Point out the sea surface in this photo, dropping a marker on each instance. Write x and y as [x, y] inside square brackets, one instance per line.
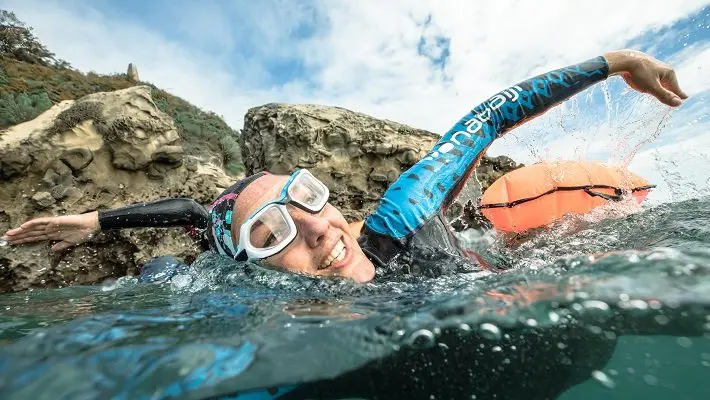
[612, 305]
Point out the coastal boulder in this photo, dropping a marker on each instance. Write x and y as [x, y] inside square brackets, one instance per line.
[355, 155]
[104, 150]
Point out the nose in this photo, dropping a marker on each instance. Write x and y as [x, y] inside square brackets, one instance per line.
[312, 227]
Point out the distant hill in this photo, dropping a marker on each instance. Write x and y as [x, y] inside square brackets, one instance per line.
[32, 80]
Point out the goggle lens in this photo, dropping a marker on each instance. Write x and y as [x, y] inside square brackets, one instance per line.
[270, 228]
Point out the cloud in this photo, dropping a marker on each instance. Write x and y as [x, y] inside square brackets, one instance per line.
[423, 63]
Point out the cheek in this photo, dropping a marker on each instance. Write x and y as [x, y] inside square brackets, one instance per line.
[334, 216]
[295, 258]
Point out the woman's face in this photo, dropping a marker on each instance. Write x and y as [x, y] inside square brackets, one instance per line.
[324, 245]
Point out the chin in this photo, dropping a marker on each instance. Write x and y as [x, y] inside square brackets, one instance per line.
[362, 272]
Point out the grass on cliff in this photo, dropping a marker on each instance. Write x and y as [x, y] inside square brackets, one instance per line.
[27, 90]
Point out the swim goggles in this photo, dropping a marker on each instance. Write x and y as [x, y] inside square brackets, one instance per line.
[271, 228]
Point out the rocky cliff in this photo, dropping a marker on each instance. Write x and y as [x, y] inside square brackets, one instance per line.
[356, 155]
[104, 150]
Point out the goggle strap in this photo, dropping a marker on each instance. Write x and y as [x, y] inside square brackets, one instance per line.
[242, 256]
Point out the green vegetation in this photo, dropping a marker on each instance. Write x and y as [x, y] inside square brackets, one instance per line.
[32, 80]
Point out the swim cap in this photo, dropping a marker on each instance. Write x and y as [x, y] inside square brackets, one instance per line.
[220, 211]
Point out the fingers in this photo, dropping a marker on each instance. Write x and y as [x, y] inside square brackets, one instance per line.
[34, 232]
[38, 224]
[664, 95]
[63, 245]
[670, 82]
[31, 238]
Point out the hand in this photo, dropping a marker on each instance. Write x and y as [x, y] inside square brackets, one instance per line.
[646, 75]
[70, 230]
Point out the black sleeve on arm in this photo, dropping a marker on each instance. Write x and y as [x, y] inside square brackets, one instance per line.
[158, 214]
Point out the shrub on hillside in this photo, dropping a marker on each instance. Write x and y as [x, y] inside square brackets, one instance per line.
[15, 109]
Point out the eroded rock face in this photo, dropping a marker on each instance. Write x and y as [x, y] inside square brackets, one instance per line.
[105, 150]
[356, 155]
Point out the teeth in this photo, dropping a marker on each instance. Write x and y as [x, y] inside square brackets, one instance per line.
[337, 254]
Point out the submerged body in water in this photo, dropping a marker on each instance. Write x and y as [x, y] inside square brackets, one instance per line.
[226, 329]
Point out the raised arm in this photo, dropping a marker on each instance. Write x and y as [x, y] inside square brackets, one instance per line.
[71, 230]
[428, 186]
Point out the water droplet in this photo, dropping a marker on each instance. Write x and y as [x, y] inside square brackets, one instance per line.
[121, 186]
[631, 370]
[422, 339]
[490, 331]
[651, 380]
[661, 319]
[7, 307]
[595, 305]
[554, 317]
[561, 346]
[624, 297]
[705, 363]
[4, 242]
[633, 305]
[465, 327]
[613, 372]
[496, 349]
[531, 322]
[604, 379]
[684, 342]
[655, 304]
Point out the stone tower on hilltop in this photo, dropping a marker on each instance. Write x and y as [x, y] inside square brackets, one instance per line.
[132, 72]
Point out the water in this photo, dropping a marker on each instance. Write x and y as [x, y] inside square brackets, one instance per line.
[593, 308]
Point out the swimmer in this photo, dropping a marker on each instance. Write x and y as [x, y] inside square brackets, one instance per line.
[287, 223]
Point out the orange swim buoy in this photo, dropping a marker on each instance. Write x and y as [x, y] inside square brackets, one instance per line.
[539, 194]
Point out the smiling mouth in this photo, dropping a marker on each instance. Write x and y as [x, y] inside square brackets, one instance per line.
[336, 255]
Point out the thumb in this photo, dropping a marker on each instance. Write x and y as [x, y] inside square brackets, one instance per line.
[63, 245]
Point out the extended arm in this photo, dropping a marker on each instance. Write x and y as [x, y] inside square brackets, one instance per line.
[71, 230]
[428, 186]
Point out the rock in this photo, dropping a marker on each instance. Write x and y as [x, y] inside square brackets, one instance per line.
[172, 155]
[89, 154]
[13, 164]
[43, 199]
[58, 174]
[77, 159]
[132, 72]
[60, 191]
[356, 155]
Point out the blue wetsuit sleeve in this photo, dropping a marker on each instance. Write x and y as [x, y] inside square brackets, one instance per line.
[429, 185]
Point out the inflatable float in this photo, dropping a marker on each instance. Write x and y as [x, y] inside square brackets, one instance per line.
[539, 194]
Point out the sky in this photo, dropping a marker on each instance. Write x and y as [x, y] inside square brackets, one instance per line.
[424, 63]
